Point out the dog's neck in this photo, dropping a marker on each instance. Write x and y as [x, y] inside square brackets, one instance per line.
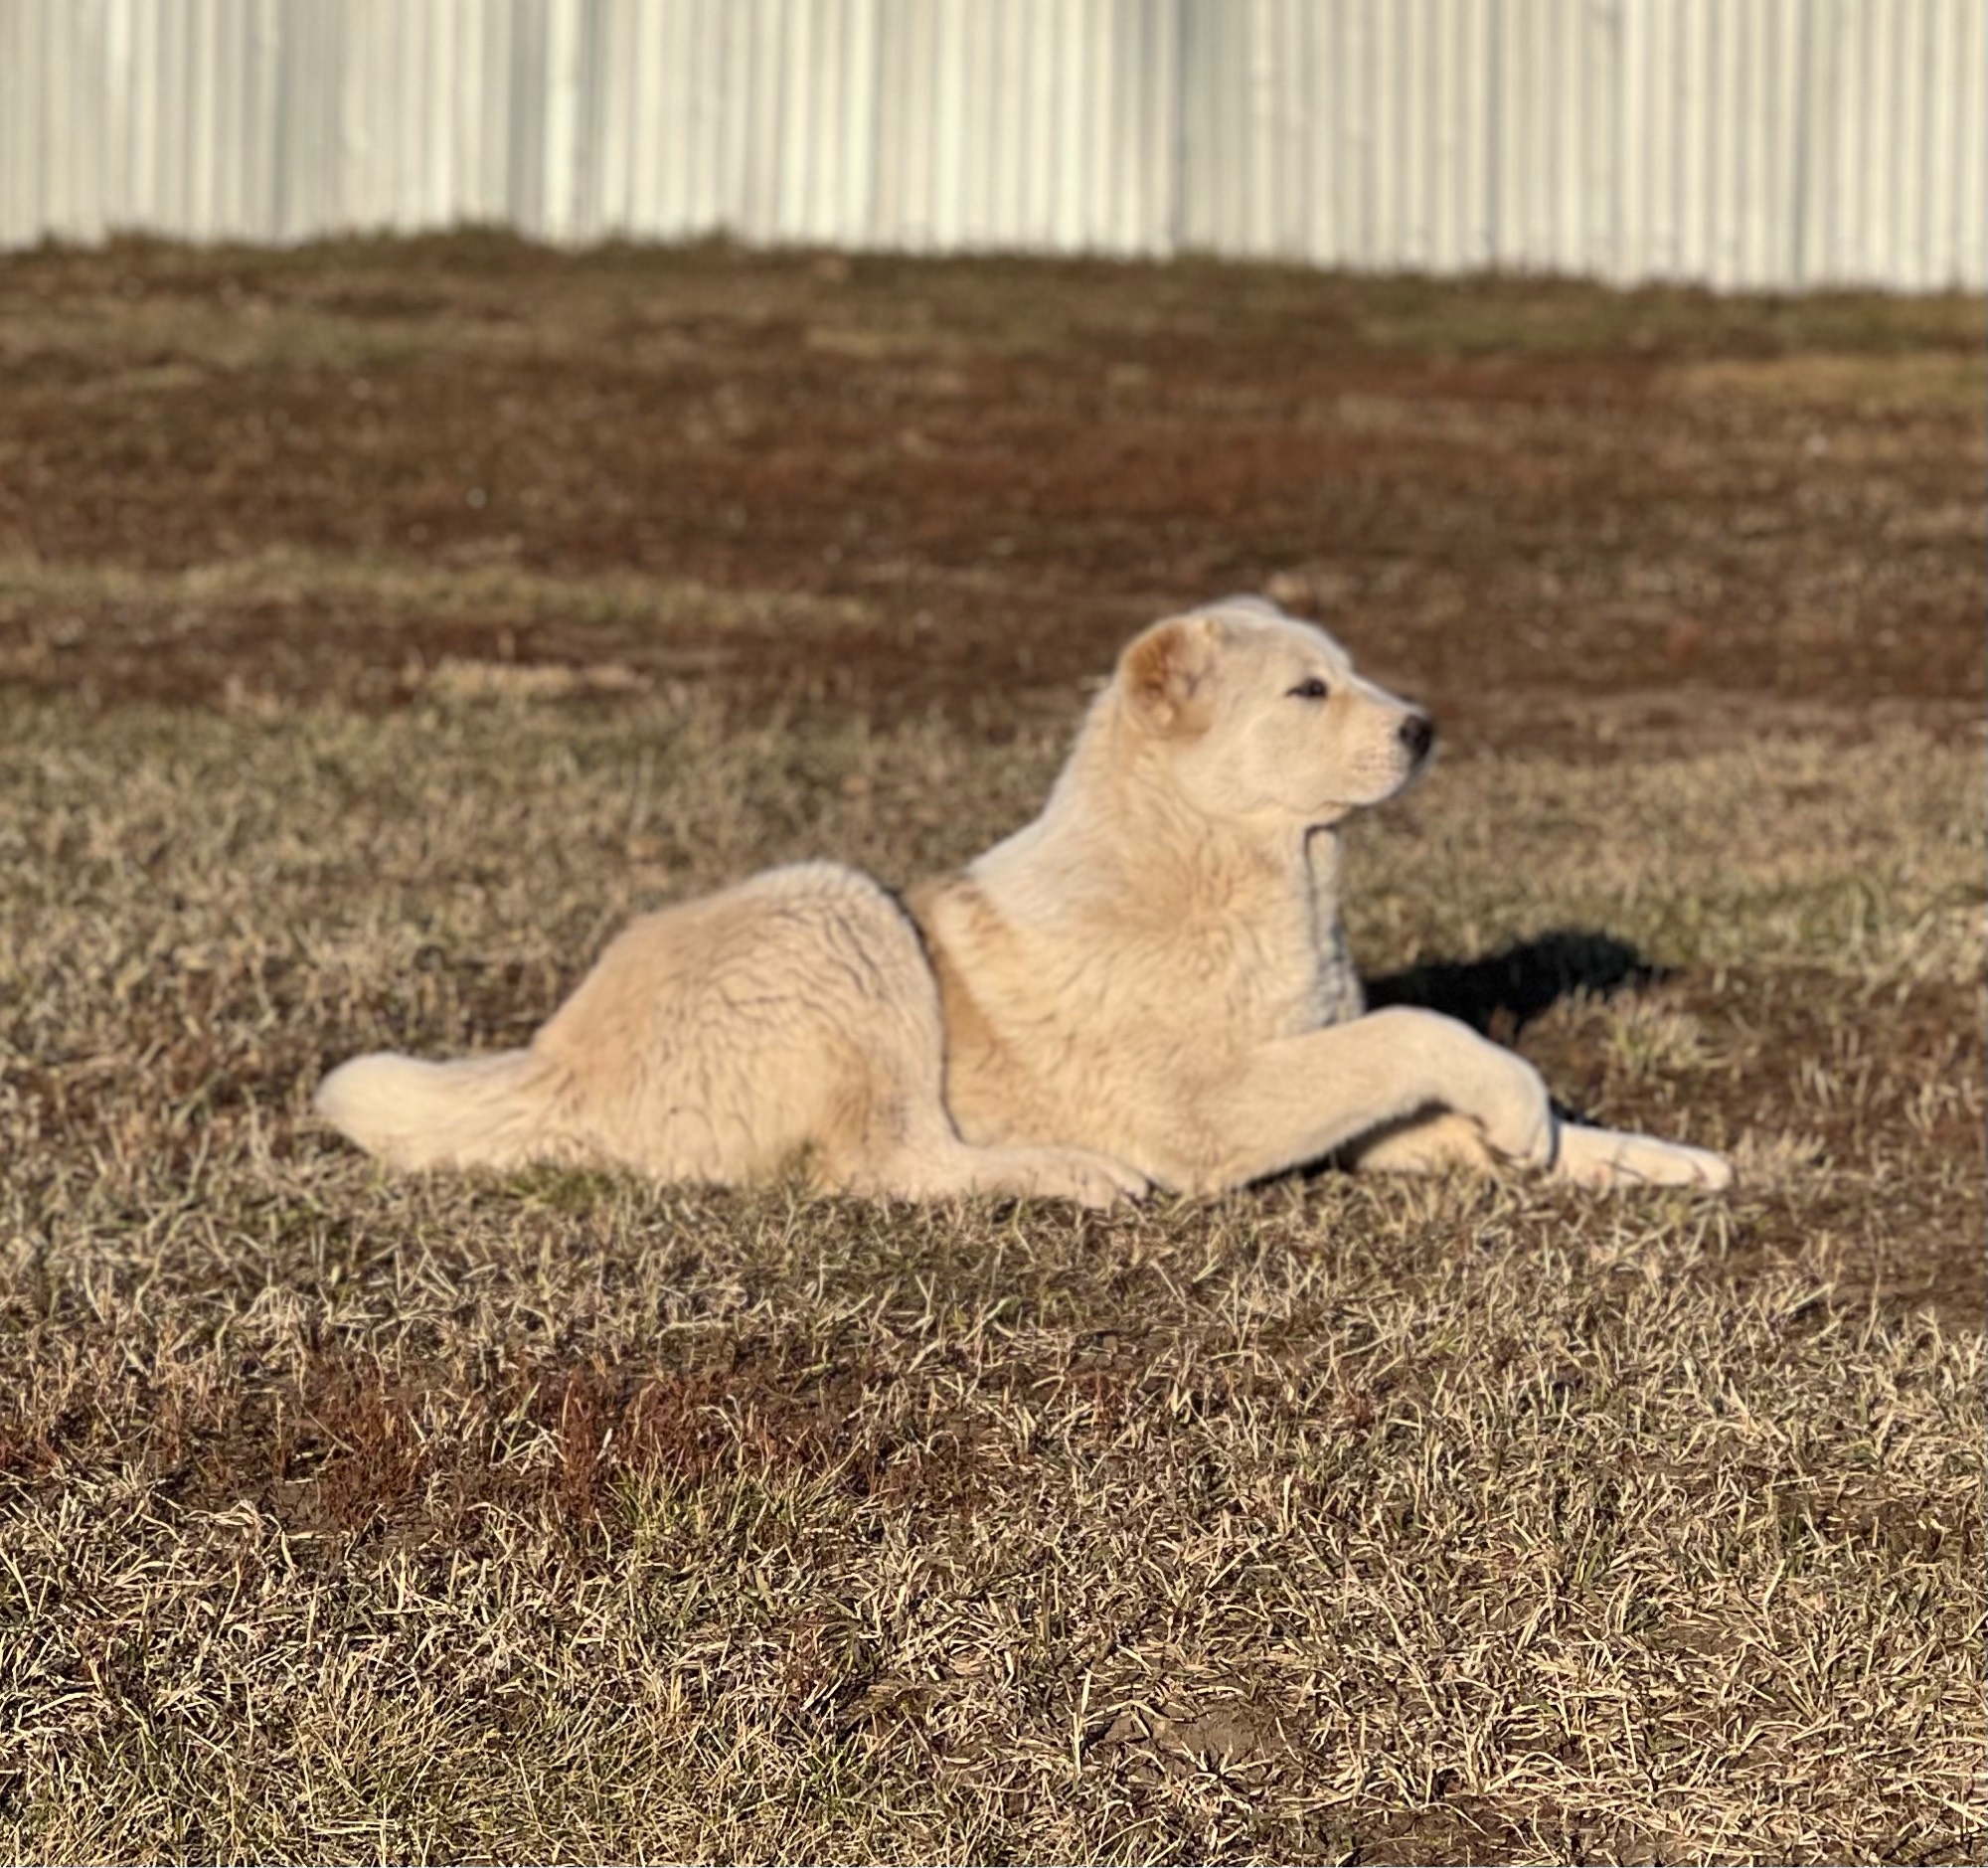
[1275, 884]
[1160, 852]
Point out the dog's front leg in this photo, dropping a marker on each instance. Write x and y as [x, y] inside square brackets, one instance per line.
[1304, 1097]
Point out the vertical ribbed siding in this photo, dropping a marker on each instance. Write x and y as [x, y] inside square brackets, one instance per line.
[1743, 143]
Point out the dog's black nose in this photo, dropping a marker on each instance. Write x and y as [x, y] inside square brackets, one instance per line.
[1418, 734]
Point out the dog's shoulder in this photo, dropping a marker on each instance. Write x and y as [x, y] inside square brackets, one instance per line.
[961, 932]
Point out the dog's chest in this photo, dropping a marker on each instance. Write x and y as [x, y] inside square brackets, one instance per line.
[1271, 968]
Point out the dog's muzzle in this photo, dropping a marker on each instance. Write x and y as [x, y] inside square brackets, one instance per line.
[1417, 735]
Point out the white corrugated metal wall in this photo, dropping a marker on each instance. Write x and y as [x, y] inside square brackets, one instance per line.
[1745, 143]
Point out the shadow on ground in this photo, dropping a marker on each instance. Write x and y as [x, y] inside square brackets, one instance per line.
[1502, 993]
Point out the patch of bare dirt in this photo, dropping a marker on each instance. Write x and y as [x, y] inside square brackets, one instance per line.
[1524, 503]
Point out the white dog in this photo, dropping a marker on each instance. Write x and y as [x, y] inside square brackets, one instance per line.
[1147, 985]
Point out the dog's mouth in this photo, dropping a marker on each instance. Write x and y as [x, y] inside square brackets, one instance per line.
[1372, 786]
[1406, 757]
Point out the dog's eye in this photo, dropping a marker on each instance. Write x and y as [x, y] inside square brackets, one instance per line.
[1311, 690]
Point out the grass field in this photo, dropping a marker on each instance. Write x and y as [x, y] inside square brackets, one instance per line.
[380, 626]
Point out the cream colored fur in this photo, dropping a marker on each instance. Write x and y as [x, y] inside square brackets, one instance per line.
[1148, 984]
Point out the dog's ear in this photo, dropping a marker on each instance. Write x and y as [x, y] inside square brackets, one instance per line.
[1164, 673]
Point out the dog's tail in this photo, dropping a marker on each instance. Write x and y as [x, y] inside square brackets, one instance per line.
[475, 1112]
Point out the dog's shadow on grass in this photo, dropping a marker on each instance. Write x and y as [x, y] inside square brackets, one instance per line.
[1502, 993]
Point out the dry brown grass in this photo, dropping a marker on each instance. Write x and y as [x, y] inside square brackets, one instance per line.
[565, 1517]
[572, 1517]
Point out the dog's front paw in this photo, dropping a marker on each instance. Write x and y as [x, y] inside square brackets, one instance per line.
[1606, 1157]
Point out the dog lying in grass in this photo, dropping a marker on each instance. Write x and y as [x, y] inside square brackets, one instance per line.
[1146, 986]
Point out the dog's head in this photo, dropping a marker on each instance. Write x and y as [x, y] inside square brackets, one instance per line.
[1260, 715]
